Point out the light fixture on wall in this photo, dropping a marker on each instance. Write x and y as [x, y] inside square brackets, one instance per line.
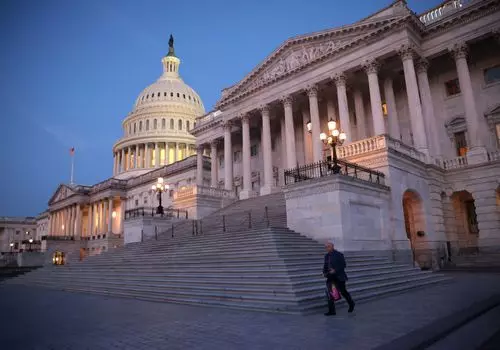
[309, 126]
[62, 227]
[113, 214]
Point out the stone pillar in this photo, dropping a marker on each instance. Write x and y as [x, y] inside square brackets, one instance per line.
[283, 143]
[129, 158]
[73, 220]
[114, 163]
[199, 165]
[110, 215]
[136, 157]
[371, 68]
[146, 156]
[416, 116]
[317, 144]
[291, 156]
[345, 124]
[247, 174]
[228, 157]
[267, 151]
[167, 157]
[66, 221]
[359, 109]
[477, 152]
[306, 117]
[176, 155]
[49, 232]
[89, 220]
[394, 130]
[214, 181]
[157, 155]
[432, 126]
[78, 224]
[123, 206]
[122, 160]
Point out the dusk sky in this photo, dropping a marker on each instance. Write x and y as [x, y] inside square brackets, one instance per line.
[70, 72]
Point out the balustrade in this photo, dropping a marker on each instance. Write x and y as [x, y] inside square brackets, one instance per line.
[443, 10]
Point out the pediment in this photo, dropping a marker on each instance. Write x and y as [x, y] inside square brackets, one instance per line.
[62, 192]
[303, 51]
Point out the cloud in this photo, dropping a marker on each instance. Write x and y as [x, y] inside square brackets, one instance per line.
[67, 137]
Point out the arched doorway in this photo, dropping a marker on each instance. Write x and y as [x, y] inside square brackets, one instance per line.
[415, 227]
[466, 221]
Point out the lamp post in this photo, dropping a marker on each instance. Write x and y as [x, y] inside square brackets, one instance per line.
[159, 188]
[11, 246]
[336, 138]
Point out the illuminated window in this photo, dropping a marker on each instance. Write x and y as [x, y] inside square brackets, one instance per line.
[492, 75]
[384, 109]
[461, 143]
[452, 87]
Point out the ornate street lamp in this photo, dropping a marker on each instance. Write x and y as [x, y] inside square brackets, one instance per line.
[11, 245]
[159, 188]
[336, 138]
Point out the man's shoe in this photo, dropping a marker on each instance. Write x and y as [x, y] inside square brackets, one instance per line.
[330, 313]
[351, 308]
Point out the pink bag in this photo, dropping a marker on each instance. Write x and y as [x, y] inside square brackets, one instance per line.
[334, 293]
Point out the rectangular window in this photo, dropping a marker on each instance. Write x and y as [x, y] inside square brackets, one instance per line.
[221, 161]
[461, 143]
[452, 87]
[254, 150]
[236, 156]
[492, 75]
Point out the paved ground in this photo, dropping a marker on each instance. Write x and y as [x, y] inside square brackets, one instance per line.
[35, 318]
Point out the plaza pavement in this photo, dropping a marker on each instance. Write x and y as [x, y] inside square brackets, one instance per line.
[37, 318]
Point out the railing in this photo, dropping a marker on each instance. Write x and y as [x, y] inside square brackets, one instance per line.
[376, 143]
[151, 212]
[327, 168]
[207, 118]
[110, 183]
[443, 10]
[455, 163]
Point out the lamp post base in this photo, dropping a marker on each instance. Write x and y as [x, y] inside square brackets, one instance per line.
[159, 210]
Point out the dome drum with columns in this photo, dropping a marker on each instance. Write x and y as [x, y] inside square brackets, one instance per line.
[156, 132]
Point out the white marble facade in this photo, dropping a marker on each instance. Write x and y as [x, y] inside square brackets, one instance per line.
[419, 100]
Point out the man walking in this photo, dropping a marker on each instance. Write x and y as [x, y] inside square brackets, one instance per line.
[333, 270]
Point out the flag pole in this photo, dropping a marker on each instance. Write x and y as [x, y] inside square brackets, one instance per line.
[72, 155]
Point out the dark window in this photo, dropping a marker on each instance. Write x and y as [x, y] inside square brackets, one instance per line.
[470, 208]
[140, 126]
[147, 124]
[158, 94]
[189, 97]
[221, 161]
[180, 124]
[135, 128]
[236, 156]
[171, 94]
[254, 150]
[452, 87]
[163, 123]
[172, 124]
[178, 95]
[136, 202]
[492, 75]
[187, 125]
[461, 143]
[184, 96]
[171, 193]
[147, 96]
[164, 94]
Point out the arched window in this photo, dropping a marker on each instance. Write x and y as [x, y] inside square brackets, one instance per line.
[140, 125]
[164, 94]
[129, 129]
[163, 123]
[171, 94]
[180, 124]
[187, 125]
[147, 125]
[178, 95]
[172, 124]
[147, 96]
[194, 125]
[158, 94]
[155, 124]
[135, 128]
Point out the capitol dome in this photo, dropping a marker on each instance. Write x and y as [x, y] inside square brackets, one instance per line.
[156, 131]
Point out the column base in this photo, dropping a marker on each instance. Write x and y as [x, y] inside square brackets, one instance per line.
[477, 155]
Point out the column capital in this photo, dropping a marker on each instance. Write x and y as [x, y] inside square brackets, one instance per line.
[264, 108]
[214, 143]
[312, 90]
[227, 124]
[340, 79]
[287, 100]
[243, 117]
[459, 50]
[407, 52]
[371, 66]
[422, 65]
[200, 147]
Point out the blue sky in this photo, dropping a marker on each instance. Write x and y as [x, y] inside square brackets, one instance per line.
[70, 72]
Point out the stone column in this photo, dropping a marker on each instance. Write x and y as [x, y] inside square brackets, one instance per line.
[89, 220]
[110, 215]
[199, 165]
[371, 68]
[359, 109]
[157, 155]
[394, 130]
[66, 222]
[306, 117]
[176, 155]
[432, 126]
[345, 124]
[283, 143]
[114, 163]
[123, 206]
[228, 157]
[477, 152]
[267, 151]
[136, 157]
[122, 160]
[247, 175]
[72, 220]
[317, 144]
[78, 224]
[291, 156]
[146, 156]
[167, 157]
[416, 116]
[49, 232]
[214, 181]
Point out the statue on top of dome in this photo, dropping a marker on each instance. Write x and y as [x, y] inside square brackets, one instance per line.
[171, 51]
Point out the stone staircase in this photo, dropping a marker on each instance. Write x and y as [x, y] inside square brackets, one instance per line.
[233, 259]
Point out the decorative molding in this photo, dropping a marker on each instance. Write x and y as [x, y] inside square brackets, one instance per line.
[422, 65]
[407, 52]
[214, 143]
[456, 124]
[459, 50]
[227, 125]
[371, 66]
[312, 91]
[340, 79]
[264, 109]
[287, 101]
[492, 116]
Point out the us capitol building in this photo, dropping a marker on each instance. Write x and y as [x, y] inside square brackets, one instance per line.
[382, 134]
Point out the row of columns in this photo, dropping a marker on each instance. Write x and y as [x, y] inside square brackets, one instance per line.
[66, 222]
[100, 217]
[149, 155]
[422, 118]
